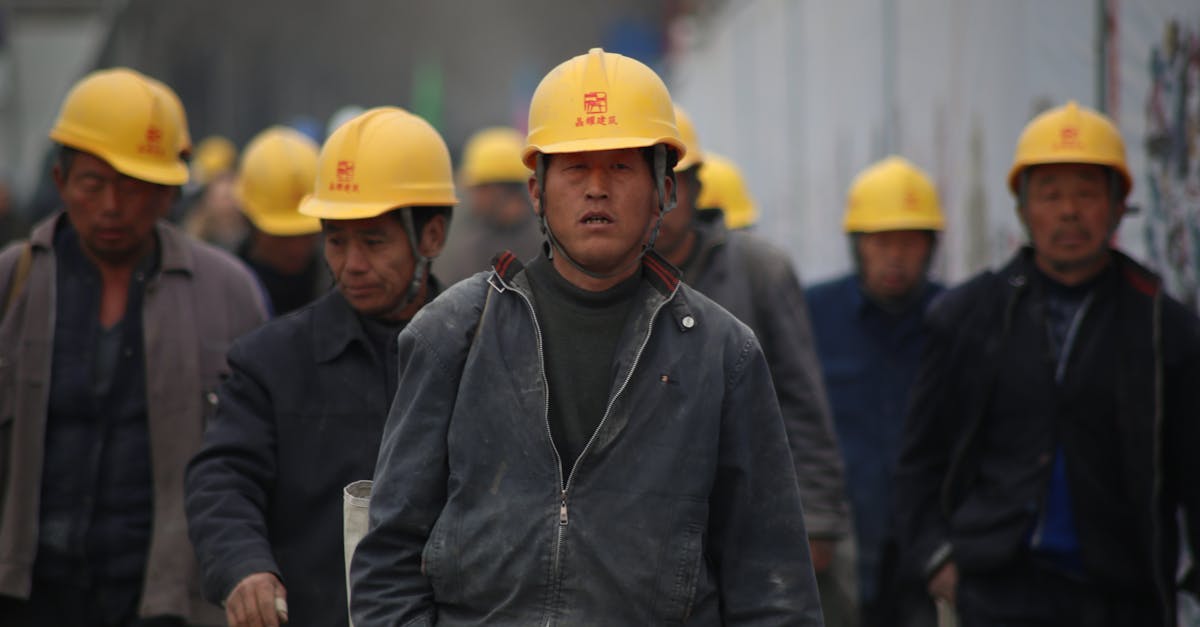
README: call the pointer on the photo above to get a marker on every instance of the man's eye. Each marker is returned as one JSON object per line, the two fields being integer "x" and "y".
{"x": 374, "y": 241}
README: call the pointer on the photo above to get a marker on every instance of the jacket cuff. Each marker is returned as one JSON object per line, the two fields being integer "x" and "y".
{"x": 940, "y": 556}
{"x": 236, "y": 574}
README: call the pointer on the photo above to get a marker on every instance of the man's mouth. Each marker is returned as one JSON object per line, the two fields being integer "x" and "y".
{"x": 596, "y": 218}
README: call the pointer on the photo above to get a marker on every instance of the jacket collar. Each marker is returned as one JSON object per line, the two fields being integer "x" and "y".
{"x": 335, "y": 327}
{"x": 657, "y": 270}
{"x": 1020, "y": 268}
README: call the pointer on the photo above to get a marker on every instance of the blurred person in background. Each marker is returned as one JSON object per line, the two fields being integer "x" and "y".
{"x": 210, "y": 211}
{"x": 112, "y": 342}
{"x": 755, "y": 282}
{"x": 869, "y": 339}
{"x": 302, "y": 413}
{"x": 500, "y": 216}
{"x": 12, "y": 225}
{"x": 1052, "y": 435}
{"x": 724, "y": 196}
{"x": 277, "y": 170}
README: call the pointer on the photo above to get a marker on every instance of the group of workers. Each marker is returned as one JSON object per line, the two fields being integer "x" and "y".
{"x": 595, "y": 399}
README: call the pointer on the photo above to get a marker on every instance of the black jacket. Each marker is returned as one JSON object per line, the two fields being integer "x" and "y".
{"x": 299, "y": 417}
{"x": 986, "y": 418}
{"x": 683, "y": 508}
{"x": 755, "y": 282}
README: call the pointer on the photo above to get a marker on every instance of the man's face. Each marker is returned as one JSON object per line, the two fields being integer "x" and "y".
{"x": 500, "y": 204}
{"x": 114, "y": 214}
{"x": 677, "y": 224}
{"x": 893, "y": 263}
{"x": 372, "y": 262}
{"x": 1070, "y": 215}
{"x": 600, "y": 205}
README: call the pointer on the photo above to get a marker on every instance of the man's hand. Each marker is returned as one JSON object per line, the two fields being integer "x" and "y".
{"x": 259, "y": 600}
{"x": 944, "y": 583}
{"x": 822, "y": 554}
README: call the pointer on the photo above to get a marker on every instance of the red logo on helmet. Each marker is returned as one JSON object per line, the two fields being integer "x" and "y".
{"x": 345, "y": 178}
{"x": 153, "y": 143}
{"x": 1068, "y": 139}
{"x": 595, "y": 102}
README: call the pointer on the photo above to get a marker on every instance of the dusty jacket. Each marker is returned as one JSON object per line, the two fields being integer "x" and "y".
{"x": 200, "y": 300}
{"x": 755, "y": 282}
{"x": 683, "y": 508}
{"x": 986, "y": 417}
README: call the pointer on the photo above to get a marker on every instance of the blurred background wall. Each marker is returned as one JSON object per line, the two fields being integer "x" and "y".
{"x": 802, "y": 93}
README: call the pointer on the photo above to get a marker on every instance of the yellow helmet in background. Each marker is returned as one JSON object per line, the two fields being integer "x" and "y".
{"x": 276, "y": 172}
{"x": 214, "y": 156}
{"x": 1070, "y": 134}
{"x": 119, "y": 116}
{"x": 892, "y": 195}
{"x": 493, "y": 155}
{"x": 723, "y": 187}
{"x": 687, "y": 133}
{"x": 384, "y": 159}
{"x": 600, "y": 101}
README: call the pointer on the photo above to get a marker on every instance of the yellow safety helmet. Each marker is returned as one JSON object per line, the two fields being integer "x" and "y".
{"x": 384, "y": 159}
{"x": 687, "y": 132}
{"x": 600, "y": 101}
{"x": 723, "y": 187}
{"x": 1070, "y": 134}
{"x": 892, "y": 195}
{"x": 493, "y": 155}
{"x": 277, "y": 171}
{"x": 117, "y": 115}
{"x": 177, "y": 109}
{"x": 214, "y": 156}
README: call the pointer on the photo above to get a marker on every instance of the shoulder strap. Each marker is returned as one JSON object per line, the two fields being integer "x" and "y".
{"x": 19, "y": 276}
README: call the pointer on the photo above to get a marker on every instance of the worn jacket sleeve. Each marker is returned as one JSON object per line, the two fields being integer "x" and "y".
{"x": 230, "y": 481}
{"x": 930, "y": 434}
{"x": 787, "y": 342}
{"x": 1181, "y": 338}
{"x": 756, "y": 519}
{"x": 388, "y": 585}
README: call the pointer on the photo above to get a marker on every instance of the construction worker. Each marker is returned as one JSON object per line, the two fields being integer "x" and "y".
{"x": 112, "y": 342}
{"x": 585, "y": 440}
{"x": 755, "y": 282}
{"x": 1052, "y": 435}
{"x": 302, "y": 412}
{"x": 724, "y": 194}
{"x": 869, "y": 340}
{"x": 277, "y": 170}
{"x": 500, "y": 216}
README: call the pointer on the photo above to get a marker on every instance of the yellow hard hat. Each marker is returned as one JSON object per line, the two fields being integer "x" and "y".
{"x": 117, "y": 115}
{"x": 277, "y": 171}
{"x": 493, "y": 155}
{"x": 600, "y": 101}
{"x": 383, "y": 159}
{"x": 724, "y": 188}
{"x": 177, "y": 109}
{"x": 687, "y": 132}
{"x": 215, "y": 155}
{"x": 1070, "y": 134}
{"x": 892, "y": 195}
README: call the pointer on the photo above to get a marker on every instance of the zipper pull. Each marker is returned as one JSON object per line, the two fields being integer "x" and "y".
{"x": 562, "y": 509}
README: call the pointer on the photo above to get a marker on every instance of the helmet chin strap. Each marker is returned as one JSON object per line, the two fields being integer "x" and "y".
{"x": 421, "y": 267}
{"x": 665, "y": 204}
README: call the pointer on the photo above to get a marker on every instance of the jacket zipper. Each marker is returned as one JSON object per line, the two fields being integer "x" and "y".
{"x": 564, "y": 487}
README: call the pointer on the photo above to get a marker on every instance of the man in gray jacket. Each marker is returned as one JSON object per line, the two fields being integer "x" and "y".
{"x": 112, "y": 340}
{"x": 755, "y": 282}
{"x": 586, "y": 440}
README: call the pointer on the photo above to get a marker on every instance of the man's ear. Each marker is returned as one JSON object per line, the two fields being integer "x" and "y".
{"x": 535, "y": 195}
{"x": 433, "y": 237}
{"x": 59, "y": 177}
